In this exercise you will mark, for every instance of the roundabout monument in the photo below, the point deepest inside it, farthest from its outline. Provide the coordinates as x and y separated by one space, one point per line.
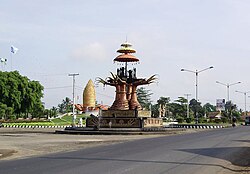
126 111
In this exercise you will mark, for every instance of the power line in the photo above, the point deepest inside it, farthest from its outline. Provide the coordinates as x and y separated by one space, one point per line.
58 87
42 74
105 95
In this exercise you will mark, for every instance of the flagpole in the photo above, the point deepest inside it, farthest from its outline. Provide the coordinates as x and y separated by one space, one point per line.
13 50
10 61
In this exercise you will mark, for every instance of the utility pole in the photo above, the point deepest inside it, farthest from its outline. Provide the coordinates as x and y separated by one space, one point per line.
187 104
74 116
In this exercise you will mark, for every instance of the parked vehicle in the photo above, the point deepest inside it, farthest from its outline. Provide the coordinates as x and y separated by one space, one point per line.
247 120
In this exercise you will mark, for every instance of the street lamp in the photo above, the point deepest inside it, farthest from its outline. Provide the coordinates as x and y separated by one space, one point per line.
245 96
227 85
196 72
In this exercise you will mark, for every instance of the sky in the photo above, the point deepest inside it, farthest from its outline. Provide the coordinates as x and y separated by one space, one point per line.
59 37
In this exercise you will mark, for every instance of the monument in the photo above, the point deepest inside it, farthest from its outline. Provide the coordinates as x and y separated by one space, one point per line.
89 100
89 95
126 111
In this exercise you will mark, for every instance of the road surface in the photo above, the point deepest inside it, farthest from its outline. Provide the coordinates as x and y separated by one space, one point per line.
214 151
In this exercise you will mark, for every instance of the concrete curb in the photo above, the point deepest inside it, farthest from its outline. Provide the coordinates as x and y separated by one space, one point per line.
197 126
32 127
183 126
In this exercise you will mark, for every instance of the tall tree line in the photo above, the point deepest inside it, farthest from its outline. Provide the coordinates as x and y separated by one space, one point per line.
177 109
19 96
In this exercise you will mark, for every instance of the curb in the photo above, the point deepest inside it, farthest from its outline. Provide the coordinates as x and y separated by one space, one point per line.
32 127
148 129
197 126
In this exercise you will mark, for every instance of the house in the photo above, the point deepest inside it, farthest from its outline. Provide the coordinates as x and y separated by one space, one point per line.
214 115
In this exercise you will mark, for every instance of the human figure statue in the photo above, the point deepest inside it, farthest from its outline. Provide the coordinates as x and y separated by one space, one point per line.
118 72
161 110
134 73
130 72
122 72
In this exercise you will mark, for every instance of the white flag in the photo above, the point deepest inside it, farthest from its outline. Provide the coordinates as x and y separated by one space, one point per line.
13 49
3 60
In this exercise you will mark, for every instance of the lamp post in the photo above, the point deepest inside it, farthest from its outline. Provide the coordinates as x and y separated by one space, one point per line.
74 116
245 96
187 104
196 72
227 85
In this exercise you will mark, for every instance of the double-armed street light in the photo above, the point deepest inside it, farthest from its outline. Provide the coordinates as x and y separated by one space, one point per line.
228 85
196 72
245 96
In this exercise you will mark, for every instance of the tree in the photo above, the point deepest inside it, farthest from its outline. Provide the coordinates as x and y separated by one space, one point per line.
209 107
20 93
178 108
3 108
181 107
53 111
144 97
163 102
65 106
181 100
196 108
155 110
231 110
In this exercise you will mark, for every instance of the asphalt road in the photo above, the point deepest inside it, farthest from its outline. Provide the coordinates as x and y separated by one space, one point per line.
216 151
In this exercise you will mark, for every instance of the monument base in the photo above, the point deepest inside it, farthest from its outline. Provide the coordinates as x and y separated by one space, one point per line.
106 122
101 122
126 113
153 122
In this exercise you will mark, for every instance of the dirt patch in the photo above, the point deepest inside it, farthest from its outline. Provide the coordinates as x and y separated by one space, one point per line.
6 153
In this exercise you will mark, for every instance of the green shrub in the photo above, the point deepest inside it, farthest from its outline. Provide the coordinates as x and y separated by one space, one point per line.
180 119
202 120
189 120
224 120
217 120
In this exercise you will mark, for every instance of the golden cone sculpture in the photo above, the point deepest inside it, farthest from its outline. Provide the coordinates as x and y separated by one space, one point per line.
89 95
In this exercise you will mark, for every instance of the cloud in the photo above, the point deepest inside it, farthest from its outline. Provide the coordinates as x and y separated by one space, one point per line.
92 52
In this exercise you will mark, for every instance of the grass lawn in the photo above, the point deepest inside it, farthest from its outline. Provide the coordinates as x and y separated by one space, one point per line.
69 119
64 121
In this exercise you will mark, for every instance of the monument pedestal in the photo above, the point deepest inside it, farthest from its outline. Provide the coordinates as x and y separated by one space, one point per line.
124 119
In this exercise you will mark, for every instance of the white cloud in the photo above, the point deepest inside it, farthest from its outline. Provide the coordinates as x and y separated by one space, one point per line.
94 51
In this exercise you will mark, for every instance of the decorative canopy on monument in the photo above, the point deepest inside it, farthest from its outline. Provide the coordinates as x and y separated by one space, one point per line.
89 95
126 50
126 58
